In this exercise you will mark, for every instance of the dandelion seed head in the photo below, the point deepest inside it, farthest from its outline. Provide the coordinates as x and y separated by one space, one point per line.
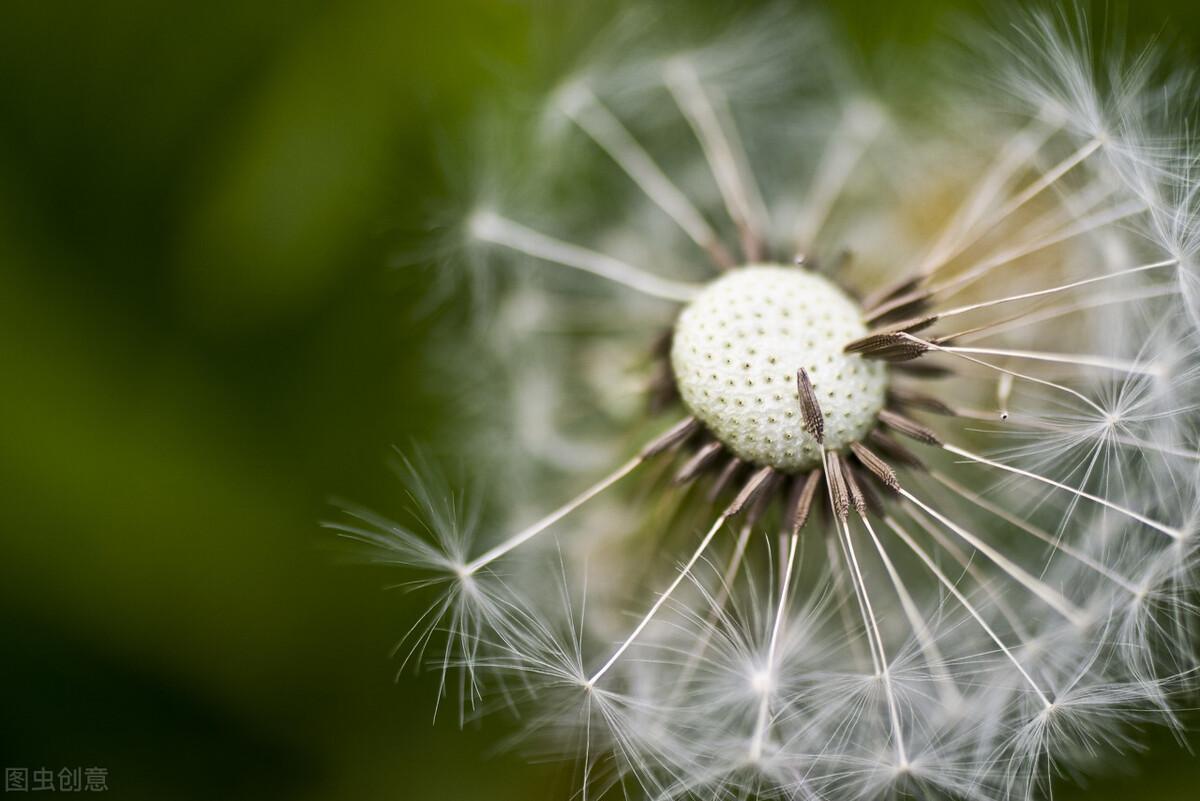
943 533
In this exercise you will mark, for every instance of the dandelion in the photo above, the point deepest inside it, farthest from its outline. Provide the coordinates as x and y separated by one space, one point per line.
924 520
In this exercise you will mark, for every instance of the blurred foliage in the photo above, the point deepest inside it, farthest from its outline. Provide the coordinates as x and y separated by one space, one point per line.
202 341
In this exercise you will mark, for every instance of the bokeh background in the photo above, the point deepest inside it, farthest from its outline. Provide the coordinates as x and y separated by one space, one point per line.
203 336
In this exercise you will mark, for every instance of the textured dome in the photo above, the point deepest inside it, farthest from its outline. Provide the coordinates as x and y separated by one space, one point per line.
737 349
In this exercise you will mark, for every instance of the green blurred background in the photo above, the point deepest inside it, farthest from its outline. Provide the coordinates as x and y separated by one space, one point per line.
201 339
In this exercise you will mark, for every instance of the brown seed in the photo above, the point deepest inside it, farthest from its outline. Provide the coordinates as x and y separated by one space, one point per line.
810 408
895 346
754 485
852 489
909 301
697 462
919 400
906 327
837 486
662 391
867 488
724 477
894 449
804 489
908 427
879 468
762 499
924 370
890 291
673 437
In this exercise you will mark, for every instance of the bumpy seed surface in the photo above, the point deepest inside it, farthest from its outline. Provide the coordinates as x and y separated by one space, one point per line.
737 348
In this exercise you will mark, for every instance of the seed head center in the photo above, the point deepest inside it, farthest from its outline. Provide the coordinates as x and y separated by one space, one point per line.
737 349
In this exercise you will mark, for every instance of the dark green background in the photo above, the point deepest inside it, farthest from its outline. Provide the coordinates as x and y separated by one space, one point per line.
201 340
